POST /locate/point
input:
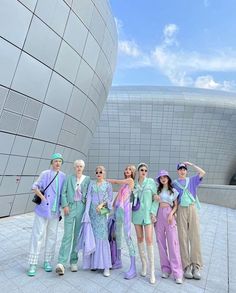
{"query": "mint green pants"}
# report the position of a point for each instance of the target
(72, 225)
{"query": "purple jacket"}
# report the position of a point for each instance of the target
(44, 209)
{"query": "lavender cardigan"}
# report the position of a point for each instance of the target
(44, 209)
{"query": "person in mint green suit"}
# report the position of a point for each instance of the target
(143, 217)
(73, 202)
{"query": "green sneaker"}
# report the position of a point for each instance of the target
(47, 266)
(32, 271)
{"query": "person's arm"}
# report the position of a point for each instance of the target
(89, 198)
(200, 171)
(38, 185)
(39, 194)
(171, 214)
(155, 204)
(64, 202)
(129, 181)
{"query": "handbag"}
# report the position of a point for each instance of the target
(104, 211)
(137, 206)
(112, 239)
(36, 199)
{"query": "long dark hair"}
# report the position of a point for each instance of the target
(160, 186)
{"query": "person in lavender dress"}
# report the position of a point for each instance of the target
(73, 203)
(99, 200)
(47, 214)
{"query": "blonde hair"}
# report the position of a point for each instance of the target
(101, 168)
(133, 171)
(77, 162)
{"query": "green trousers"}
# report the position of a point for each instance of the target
(72, 225)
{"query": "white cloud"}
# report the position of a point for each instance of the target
(206, 82)
(129, 48)
(179, 65)
(169, 33)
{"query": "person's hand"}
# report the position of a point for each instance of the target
(153, 218)
(157, 198)
(66, 211)
(170, 219)
(43, 198)
(188, 163)
(99, 207)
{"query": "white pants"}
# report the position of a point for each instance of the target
(43, 227)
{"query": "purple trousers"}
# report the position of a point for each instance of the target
(168, 235)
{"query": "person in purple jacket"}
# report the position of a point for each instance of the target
(47, 214)
(187, 219)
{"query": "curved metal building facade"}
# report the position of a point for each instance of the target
(57, 60)
(165, 125)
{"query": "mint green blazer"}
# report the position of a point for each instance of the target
(69, 187)
(148, 206)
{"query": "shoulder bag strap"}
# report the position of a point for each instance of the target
(51, 181)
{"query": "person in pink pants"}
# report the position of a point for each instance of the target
(166, 228)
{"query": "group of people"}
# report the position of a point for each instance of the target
(168, 207)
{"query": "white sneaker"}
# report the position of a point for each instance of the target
(179, 281)
(196, 272)
(60, 270)
(73, 267)
(188, 272)
(165, 275)
(106, 273)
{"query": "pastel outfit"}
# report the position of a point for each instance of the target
(188, 222)
(73, 196)
(101, 258)
(148, 206)
(144, 193)
(46, 216)
(167, 234)
(123, 213)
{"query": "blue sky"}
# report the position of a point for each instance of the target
(176, 42)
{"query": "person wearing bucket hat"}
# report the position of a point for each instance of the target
(187, 219)
(56, 156)
(143, 218)
(47, 214)
(166, 228)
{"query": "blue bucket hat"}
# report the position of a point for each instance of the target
(56, 156)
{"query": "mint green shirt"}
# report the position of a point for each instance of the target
(148, 206)
(54, 207)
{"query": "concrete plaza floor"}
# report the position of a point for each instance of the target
(218, 239)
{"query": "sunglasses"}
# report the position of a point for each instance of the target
(143, 170)
(100, 172)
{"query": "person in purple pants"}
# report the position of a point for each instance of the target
(166, 228)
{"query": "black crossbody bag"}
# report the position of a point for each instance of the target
(36, 199)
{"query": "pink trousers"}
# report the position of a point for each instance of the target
(168, 235)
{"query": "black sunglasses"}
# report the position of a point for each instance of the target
(100, 172)
(143, 170)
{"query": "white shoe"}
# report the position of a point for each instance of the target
(196, 272)
(165, 275)
(188, 272)
(178, 280)
(106, 273)
(73, 267)
(60, 270)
